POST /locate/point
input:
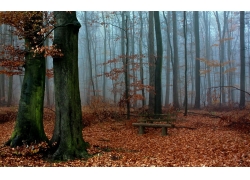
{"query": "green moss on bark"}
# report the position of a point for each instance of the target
(68, 127)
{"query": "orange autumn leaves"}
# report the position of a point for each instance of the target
(33, 25)
(117, 143)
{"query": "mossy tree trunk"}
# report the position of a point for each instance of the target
(29, 122)
(68, 127)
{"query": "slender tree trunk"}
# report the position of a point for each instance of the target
(207, 55)
(68, 128)
(10, 91)
(158, 65)
(221, 55)
(2, 76)
(141, 59)
(126, 68)
(242, 59)
(169, 57)
(89, 54)
(176, 63)
(105, 59)
(47, 86)
(185, 52)
(151, 61)
(197, 61)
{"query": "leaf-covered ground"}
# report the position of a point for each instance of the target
(215, 139)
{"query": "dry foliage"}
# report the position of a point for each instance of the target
(222, 141)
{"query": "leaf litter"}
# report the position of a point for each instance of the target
(201, 141)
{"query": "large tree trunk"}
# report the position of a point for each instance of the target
(29, 122)
(68, 127)
(158, 65)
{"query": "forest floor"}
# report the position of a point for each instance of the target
(201, 139)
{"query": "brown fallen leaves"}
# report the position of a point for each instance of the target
(117, 143)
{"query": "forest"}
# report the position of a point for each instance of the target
(124, 88)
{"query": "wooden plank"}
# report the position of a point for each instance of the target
(152, 125)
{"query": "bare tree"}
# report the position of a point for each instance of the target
(197, 60)
(175, 63)
(242, 59)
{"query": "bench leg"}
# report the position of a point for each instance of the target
(141, 130)
(164, 131)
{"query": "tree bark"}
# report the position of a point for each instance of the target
(169, 57)
(10, 91)
(126, 67)
(197, 61)
(242, 59)
(29, 122)
(158, 65)
(105, 59)
(185, 52)
(89, 55)
(68, 128)
(207, 56)
(141, 59)
(175, 63)
(151, 61)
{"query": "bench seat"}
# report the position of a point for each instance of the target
(143, 125)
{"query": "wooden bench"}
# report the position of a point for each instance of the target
(167, 118)
(163, 126)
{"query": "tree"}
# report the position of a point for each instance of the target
(68, 128)
(169, 56)
(158, 64)
(197, 60)
(151, 61)
(126, 66)
(105, 59)
(141, 59)
(207, 56)
(242, 59)
(89, 54)
(2, 76)
(29, 124)
(221, 53)
(175, 63)
(185, 52)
